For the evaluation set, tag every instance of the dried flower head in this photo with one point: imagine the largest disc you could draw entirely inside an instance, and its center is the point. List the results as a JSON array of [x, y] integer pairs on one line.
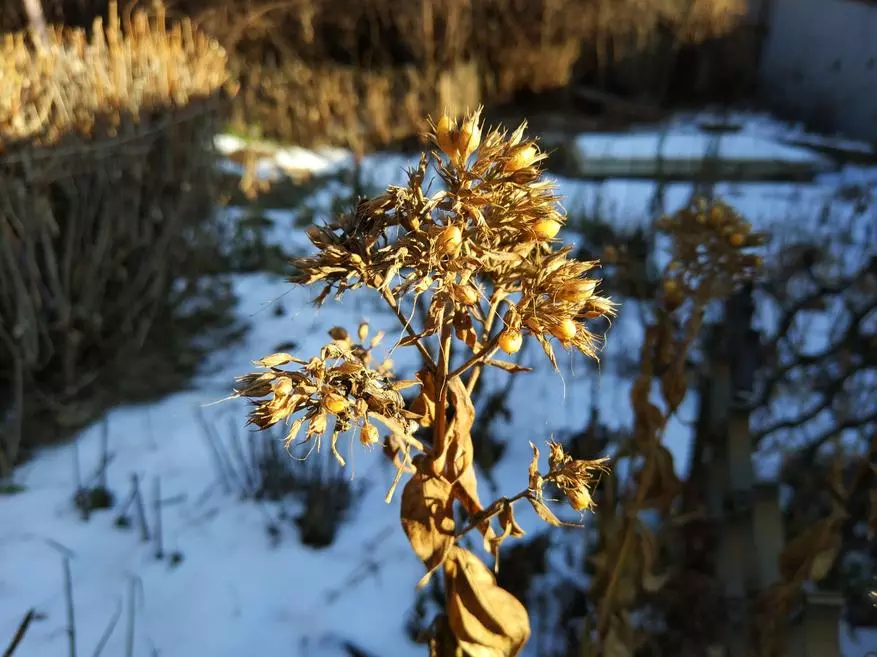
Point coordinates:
[[339, 383], [575, 477], [480, 253], [710, 240]]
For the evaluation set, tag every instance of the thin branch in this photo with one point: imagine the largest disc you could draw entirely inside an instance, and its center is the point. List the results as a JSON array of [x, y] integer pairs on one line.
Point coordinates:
[[427, 357], [478, 357]]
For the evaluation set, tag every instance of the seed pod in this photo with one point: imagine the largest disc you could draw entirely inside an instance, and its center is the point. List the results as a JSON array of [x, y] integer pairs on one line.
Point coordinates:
[[449, 240], [469, 137], [369, 435], [335, 403], [577, 291], [565, 330], [510, 341], [521, 157], [465, 294], [444, 132], [546, 229]]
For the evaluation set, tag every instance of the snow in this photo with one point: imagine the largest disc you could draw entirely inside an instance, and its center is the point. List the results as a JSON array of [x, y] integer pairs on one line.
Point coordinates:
[[686, 144], [234, 593]]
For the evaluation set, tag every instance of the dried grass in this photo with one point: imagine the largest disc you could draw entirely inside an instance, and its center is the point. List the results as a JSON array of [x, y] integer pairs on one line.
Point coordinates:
[[106, 174]]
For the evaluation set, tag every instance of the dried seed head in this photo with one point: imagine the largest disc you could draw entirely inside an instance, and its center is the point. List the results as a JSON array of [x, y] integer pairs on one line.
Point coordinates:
[[564, 330], [579, 498], [577, 291], [335, 403], [510, 341], [369, 435], [444, 133], [469, 138], [521, 157], [546, 229], [449, 240], [465, 294]]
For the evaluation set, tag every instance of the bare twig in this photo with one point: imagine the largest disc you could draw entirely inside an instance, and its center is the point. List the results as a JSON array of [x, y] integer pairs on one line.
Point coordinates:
[[19, 633], [68, 598]]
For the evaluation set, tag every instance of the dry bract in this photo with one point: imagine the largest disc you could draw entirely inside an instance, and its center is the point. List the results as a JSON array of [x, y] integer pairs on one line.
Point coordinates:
[[477, 255]]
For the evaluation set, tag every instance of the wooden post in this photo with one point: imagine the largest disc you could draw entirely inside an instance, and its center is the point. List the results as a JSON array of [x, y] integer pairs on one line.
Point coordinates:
[[732, 353]]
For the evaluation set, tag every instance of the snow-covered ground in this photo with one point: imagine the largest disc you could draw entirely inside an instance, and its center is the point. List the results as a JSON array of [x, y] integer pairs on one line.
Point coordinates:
[[234, 593]]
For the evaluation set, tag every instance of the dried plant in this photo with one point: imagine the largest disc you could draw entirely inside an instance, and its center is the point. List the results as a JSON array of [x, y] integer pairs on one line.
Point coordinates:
[[709, 244], [481, 255], [107, 175]]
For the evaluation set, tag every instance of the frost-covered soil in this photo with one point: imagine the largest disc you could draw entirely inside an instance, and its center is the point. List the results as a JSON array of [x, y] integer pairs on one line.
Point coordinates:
[[234, 592]]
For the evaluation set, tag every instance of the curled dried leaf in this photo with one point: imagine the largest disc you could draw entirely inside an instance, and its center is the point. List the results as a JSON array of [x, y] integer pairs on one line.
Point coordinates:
[[485, 618], [428, 519]]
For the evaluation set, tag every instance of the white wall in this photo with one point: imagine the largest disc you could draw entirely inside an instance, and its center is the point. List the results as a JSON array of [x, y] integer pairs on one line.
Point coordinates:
[[819, 62]]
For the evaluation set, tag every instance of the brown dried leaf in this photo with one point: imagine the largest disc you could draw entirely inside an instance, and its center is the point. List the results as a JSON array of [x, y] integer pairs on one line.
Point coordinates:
[[674, 385], [510, 527], [405, 384], [797, 557], [460, 449], [409, 340], [486, 619], [544, 512], [276, 360], [424, 404], [428, 519], [514, 368], [823, 560]]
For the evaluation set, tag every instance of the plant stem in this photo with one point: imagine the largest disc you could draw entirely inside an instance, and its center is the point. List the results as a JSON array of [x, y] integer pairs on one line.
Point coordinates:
[[439, 441], [490, 511], [427, 357], [495, 299], [477, 358]]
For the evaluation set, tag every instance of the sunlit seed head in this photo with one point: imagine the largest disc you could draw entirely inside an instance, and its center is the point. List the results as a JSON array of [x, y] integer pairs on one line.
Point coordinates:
[[335, 403], [510, 341], [469, 136], [564, 330], [449, 240], [522, 157], [369, 435], [546, 229], [444, 132], [577, 291]]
